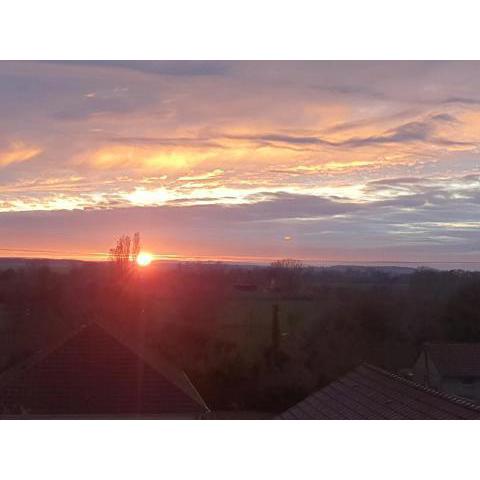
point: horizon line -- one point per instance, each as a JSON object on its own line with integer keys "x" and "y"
{"x": 160, "y": 258}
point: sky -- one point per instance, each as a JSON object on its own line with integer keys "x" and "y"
{"x": 246, "y": 161}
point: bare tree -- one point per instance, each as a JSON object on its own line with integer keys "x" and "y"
{"x": 286, "y": 274}
{"x": 125, "y": 252}
{"x": 135, "y": 247}
{"x": 288, "y": 264}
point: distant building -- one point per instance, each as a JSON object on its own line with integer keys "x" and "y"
{"x": 93, "y": 374}
{"x": 370, "y": 393}
{"x": 450, "y": 367}
{"x": 246, "y": 287}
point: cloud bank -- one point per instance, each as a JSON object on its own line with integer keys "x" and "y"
{"x": 347, "y": 159}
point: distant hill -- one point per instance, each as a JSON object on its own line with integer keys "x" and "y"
{"x": 16, "y": 262}
{"x": 390, "y": 269}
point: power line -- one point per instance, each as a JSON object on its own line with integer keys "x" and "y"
{"x": 239, "y": 258}
{"x": 59, "y": 252}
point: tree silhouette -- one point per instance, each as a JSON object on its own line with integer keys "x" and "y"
{"x": 124, "y": 254}
{"x": 286, "y": 275}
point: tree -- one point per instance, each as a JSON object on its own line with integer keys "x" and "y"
{"x": 286, "y": 274}
{"x": 124, "y": 254}
{"x": 463, "y": 314}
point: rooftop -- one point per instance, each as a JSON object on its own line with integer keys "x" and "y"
{"x": 370, "y": 393}
{"x": 92, "y": 373}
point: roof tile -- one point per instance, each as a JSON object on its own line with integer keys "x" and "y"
{"x": 369, "y": 392}
{"x": 93, "y": 374}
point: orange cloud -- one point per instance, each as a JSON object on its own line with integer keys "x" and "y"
{"x": 143, "y": 158}
{"x": 17, "y": 152}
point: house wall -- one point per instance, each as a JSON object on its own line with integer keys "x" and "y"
{"x": 458, "y": 386}
{"x": 425, "y": 373}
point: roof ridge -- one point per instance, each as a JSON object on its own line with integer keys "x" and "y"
{"x": 11, "y": 373}
{"x": 144, "y": 355}
{"x": 447, "y": 396}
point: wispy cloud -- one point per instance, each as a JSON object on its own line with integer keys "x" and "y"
{"x": 17, "y": 152}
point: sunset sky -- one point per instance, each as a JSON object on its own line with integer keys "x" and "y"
{"x": 321, "y": 161}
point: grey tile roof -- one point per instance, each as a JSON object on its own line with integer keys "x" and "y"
{"x": 455, "y": 359}
{"x": 370, "y": 393}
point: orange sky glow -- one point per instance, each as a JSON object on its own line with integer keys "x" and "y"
{"x": 241, "y": 161}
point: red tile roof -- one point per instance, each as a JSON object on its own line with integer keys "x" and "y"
{"x": 455, "y": 359}
{"x": 91, "y": 374}
{"x": 370, "y": 393}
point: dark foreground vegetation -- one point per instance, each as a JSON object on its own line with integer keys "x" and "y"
{"x": 250, "y": 338}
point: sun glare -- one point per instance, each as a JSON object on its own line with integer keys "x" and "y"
{"x": 144, "y": 259}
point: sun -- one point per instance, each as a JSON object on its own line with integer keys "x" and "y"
{"x": 144, "y": 259}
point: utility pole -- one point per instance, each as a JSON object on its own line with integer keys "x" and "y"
{"x": 275, "y": 334}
